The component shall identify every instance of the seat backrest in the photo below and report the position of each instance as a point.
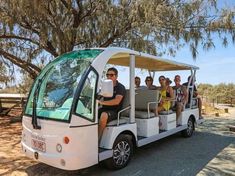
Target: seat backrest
(143, 97)
(126, 101)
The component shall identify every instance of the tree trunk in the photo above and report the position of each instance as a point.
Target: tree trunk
(30, 68)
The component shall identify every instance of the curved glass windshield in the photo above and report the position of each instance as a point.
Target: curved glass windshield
(55, 87)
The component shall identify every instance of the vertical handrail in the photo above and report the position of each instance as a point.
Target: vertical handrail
(132, 88)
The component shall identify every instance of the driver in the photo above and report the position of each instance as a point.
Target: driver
(111, 106)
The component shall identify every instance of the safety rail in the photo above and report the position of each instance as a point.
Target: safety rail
(119, 113)
(149, 103)
(13, 101)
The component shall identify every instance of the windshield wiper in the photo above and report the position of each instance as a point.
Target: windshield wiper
(34, 113)
(35, 100)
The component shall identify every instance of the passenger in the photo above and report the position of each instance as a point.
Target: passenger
(167, 94)
(137, 83)
(149, 83)
(195, 95)
(111, 106)
(168, 81)
(181, 95)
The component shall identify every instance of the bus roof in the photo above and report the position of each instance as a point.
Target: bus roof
(121, 56)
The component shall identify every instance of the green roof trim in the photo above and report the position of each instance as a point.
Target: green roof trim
(88, 54)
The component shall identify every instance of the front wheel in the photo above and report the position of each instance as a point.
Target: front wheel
(122, 152)
(188, 132)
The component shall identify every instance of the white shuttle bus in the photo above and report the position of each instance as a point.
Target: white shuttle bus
(60, 122)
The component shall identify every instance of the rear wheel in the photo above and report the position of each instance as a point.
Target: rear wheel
(188, 132)
(122, 152)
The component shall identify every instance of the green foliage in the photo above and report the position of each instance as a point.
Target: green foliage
(222, 93)
(25, 85)
(3, 74)
(32, 30)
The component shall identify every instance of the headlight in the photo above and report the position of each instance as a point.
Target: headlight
(59, 148)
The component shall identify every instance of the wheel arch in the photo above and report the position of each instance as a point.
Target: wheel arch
(133, 139)
(110, 134)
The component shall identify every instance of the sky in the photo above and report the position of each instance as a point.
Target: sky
(215, 66)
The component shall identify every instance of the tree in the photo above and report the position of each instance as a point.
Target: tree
(3, 76)
(222, 92)
(31, 29)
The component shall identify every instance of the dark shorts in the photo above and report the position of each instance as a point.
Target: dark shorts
(194, 103)
(112, 115)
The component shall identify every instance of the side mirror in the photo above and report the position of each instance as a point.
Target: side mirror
(107, 88)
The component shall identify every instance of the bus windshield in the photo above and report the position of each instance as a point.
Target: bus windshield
(57, 83)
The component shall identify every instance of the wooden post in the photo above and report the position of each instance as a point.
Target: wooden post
(0, 106)
(226, 110)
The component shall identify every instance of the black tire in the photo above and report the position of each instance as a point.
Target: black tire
(188, 132)
(122, 152)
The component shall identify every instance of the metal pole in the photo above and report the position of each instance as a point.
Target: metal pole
(191, 80)
(132, 88)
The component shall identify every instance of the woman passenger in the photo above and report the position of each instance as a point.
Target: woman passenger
(166, 95)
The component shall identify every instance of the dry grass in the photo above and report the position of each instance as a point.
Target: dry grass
(208, 109)
(218, 110)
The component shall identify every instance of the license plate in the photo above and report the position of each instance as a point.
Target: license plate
(39, 145)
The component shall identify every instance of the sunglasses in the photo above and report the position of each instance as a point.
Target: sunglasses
(110, 75)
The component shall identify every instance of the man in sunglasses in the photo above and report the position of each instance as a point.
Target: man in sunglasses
(111, 106)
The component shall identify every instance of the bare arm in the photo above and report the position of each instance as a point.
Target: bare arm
(113, 102)
(172, 96)
(185, 92)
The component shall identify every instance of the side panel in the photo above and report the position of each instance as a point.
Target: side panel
(80, 152)
(147, 127)
(183, 119)
(167, 122)
(111, 133)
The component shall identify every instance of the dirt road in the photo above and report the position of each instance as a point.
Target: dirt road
(210, 148)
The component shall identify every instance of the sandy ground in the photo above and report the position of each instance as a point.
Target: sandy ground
(13, 161)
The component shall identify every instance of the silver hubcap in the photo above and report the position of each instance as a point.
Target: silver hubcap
(190, 127)
(121, 153)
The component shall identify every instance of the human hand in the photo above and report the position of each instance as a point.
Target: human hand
(100, 102)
